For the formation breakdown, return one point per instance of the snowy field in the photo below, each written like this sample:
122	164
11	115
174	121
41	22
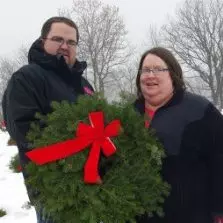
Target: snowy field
13	196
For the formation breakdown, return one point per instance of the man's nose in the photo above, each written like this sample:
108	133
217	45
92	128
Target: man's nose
64	45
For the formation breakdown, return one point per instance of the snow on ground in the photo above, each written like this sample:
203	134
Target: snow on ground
13	194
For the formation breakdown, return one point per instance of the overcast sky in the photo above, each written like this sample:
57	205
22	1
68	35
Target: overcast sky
21	20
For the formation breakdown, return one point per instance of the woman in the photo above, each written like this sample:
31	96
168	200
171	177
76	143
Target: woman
191	130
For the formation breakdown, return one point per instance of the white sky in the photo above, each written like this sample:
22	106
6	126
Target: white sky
21	21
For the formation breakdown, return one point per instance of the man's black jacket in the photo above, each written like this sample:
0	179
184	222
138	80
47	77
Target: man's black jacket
32	88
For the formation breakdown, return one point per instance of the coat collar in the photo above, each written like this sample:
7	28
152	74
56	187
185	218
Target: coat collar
139	104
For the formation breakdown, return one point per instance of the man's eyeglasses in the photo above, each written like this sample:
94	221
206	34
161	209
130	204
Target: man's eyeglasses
60	41
154	71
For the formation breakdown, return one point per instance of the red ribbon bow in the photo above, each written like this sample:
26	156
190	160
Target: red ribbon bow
94	134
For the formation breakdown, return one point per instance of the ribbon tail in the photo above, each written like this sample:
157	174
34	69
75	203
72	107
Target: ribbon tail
57	151
91	174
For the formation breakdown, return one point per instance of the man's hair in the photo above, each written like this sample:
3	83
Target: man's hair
47	25
174	67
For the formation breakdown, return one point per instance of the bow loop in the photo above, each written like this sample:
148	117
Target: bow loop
97	121
84	130
113	128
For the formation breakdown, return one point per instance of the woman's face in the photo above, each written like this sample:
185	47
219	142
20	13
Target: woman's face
155	81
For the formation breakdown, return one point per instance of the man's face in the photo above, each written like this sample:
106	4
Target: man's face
62	39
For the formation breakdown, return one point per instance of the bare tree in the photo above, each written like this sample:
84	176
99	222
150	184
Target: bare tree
22	56
102	40
7	67
66	12
196	36
154	37
126	82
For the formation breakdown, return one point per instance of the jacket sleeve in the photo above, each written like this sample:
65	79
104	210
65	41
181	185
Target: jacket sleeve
215	125
20	103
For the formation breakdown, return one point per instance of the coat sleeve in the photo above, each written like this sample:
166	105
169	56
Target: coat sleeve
215	124
20	104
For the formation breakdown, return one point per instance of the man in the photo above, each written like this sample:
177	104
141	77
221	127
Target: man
53	74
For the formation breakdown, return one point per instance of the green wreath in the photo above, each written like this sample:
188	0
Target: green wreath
132	184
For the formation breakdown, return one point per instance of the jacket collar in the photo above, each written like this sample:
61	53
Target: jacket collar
139	104
72	76
52	62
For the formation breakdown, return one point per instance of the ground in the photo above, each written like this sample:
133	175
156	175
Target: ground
13	196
